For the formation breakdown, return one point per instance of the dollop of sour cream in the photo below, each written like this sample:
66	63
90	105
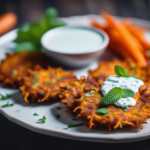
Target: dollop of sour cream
124	83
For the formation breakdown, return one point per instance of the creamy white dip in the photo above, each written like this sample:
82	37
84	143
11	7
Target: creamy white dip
124	83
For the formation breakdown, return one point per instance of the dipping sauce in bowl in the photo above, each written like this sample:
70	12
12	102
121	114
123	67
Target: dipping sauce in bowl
74	46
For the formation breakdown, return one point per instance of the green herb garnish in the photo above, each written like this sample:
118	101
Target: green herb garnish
75	119
29	35
58	79
74	125
87	94
48	81
102	110
120	71
134	76
57	116
92	91
82	99
120	126
7	105
14	73
35	76
35	114
68	87
35	82
58	107
4	97
42	120
126	108
115	94
132	68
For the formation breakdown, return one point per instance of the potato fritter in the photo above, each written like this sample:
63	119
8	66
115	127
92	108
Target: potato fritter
74	90
87	102
106	69
43	84
14	67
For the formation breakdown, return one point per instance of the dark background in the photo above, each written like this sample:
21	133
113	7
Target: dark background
15	137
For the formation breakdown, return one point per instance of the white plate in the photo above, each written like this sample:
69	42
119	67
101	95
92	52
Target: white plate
22	113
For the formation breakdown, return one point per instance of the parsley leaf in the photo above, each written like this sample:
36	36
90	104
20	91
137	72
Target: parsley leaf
120	126
7	105
42	120
57	116
126	108
58	107
35	114
75	125
87	94
35	82
4	97
35	76
102	110
115	94
82	99
120	71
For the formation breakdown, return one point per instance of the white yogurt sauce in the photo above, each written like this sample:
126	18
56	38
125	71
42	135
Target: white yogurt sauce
74	40
124	83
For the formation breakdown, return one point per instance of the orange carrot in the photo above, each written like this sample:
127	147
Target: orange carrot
135	32
7	22
127	40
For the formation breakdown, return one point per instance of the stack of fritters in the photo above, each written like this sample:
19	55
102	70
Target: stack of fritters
43	84
15	66
86	103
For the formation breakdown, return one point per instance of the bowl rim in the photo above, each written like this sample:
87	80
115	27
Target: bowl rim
103	45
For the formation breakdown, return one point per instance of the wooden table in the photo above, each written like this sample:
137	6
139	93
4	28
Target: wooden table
15	137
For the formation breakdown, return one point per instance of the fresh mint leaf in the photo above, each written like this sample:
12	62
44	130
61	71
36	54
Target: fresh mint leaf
112	96
115	94
42	120
126	108
7	105
35	114
120	71
102	110
127	93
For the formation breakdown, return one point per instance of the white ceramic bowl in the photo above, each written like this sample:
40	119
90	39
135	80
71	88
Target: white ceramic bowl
75	59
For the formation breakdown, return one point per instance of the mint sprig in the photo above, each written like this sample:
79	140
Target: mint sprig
115	94
120	71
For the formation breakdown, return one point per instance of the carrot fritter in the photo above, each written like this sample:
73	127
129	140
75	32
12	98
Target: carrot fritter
43	84
106	69
14	67
74	90
86	104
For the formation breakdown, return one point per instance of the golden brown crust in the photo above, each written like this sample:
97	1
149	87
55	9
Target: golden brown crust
106	69
14	67
43	84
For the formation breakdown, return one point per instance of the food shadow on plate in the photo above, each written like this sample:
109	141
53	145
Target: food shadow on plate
18	99
66	118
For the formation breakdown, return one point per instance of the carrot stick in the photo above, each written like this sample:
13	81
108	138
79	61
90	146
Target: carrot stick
127	40
96	24
135	32
7	22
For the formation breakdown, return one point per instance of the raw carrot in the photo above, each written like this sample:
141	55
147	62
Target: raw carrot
127	40
7	22
135	32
